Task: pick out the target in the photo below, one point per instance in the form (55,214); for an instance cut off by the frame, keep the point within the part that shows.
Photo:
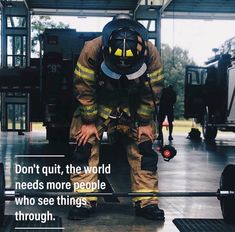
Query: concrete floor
(197,167)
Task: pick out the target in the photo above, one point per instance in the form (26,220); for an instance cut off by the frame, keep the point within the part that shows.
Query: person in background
(166,108)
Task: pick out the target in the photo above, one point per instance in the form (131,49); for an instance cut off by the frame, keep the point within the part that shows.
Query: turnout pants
(141,157)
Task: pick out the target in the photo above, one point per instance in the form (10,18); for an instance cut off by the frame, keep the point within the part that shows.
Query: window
(16,116)
(150,25)
(16,22)
(193,78)
(16,51)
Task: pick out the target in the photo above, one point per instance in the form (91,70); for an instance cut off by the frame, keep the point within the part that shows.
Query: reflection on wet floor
(197,167)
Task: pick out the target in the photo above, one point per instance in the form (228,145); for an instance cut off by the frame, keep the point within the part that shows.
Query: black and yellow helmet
(124,49)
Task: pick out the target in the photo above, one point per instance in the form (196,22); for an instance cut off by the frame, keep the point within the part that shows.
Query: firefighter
(116,78)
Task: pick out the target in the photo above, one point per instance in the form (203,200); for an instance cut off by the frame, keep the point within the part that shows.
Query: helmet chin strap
(116,76)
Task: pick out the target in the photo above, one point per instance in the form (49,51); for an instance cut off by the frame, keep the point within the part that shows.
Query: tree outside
(174,63)
(38,25)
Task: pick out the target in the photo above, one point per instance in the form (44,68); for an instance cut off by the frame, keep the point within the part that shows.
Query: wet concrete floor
(197,167)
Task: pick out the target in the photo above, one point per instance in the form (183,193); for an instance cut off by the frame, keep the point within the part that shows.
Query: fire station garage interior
(196,187)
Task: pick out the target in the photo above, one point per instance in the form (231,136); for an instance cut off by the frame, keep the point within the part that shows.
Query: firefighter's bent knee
(82,154)
(149,157)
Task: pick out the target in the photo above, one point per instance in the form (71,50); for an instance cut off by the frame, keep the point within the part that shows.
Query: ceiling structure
(81,7)
(208,9)
(83,4)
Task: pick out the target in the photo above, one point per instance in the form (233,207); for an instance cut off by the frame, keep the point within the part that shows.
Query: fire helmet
(124,49)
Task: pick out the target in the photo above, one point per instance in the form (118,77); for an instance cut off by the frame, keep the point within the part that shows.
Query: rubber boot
(151,212)
(83,212)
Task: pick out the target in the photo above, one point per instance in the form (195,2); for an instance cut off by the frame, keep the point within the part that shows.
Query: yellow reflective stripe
(155,73)
(103,115)
(104,111)
(86,191)
(126,110)
(91,107)
(91,198)
(85,76)
(89,110)
(135,199)
(145,110)
(89,114)
(157,79)
(144,115)
(84,69)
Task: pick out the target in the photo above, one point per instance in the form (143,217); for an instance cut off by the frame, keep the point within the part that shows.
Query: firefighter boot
(83,212)
(151,212)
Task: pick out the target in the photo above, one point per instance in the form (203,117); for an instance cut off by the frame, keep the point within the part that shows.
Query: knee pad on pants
(82,154)
(149,157)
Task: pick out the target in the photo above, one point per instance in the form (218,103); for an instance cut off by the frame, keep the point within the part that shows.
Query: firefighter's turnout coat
(99,96)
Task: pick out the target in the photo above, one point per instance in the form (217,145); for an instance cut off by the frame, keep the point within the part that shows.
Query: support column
(15,52)
(150,17)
